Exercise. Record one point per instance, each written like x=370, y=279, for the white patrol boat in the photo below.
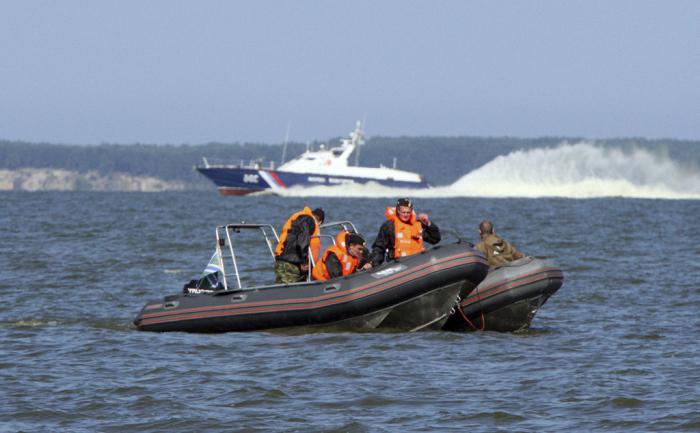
x=322, y=167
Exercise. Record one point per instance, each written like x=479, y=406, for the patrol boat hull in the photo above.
x=242, y=180
x=417, y=292
x=509, y=297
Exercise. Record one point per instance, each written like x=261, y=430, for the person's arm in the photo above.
x=366, y=262
x=381, y=244
x=431, y=233
x=516, y=253
x=333, y=266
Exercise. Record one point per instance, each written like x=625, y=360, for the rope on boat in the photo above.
x=418, y=328
x=466, y=319
x=469, y=322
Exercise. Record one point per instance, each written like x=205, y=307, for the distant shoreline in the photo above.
x=49, y=179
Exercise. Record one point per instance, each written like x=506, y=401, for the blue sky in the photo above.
x=159, y=71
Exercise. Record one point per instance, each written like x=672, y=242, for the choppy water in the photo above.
x=616, y=349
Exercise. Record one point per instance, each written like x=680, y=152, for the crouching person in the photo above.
x=341, y=259
x=297, y=237
x=497, y=250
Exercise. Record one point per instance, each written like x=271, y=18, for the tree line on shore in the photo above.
x=441, y=160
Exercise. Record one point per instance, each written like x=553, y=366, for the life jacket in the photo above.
x=348, y=262
x=314, y=243
x=408, y=237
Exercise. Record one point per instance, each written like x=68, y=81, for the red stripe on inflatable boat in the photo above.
x=485, y=293
x=309, y=303
x=476, y=258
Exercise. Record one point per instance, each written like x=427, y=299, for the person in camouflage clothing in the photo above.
x=286, y=272
x=497, y=250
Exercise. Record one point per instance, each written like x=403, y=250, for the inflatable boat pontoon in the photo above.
x=509, y=297
x=413, y=293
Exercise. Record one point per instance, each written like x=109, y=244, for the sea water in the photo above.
x=615, y=349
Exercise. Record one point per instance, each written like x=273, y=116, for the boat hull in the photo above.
x=242, y=181
x=426, y=312
x=509, y=297
x=398, y=291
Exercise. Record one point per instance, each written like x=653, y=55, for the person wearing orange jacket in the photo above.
x=403, y=233
x=291, y=253
x=341, y=259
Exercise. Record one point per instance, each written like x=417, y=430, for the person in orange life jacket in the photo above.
x=403, y=233
x=291, y=253
x=340, y=259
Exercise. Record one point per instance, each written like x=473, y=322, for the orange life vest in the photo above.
x=314, y=243
x=408, y=237
x=348, y=262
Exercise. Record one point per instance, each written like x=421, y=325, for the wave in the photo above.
x=571, y=170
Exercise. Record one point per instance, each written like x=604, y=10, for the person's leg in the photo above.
x=286, y=272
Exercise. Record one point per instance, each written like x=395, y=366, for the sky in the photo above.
x=157, y=71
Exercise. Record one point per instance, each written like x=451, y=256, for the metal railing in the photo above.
x=224, y=238
x=225, y=248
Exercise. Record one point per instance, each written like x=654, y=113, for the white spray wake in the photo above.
x=581, y=170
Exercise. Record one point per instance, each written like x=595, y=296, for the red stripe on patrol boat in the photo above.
x=277, y=179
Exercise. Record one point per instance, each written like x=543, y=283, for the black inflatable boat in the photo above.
x=416, y=292
x=509, y=297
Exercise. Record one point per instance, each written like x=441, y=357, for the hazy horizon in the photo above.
x=329, y=140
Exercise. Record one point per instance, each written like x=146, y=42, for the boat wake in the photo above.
x=571, y=170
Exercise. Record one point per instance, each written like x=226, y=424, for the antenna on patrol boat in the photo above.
x=359, y=133
x=286, y=139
